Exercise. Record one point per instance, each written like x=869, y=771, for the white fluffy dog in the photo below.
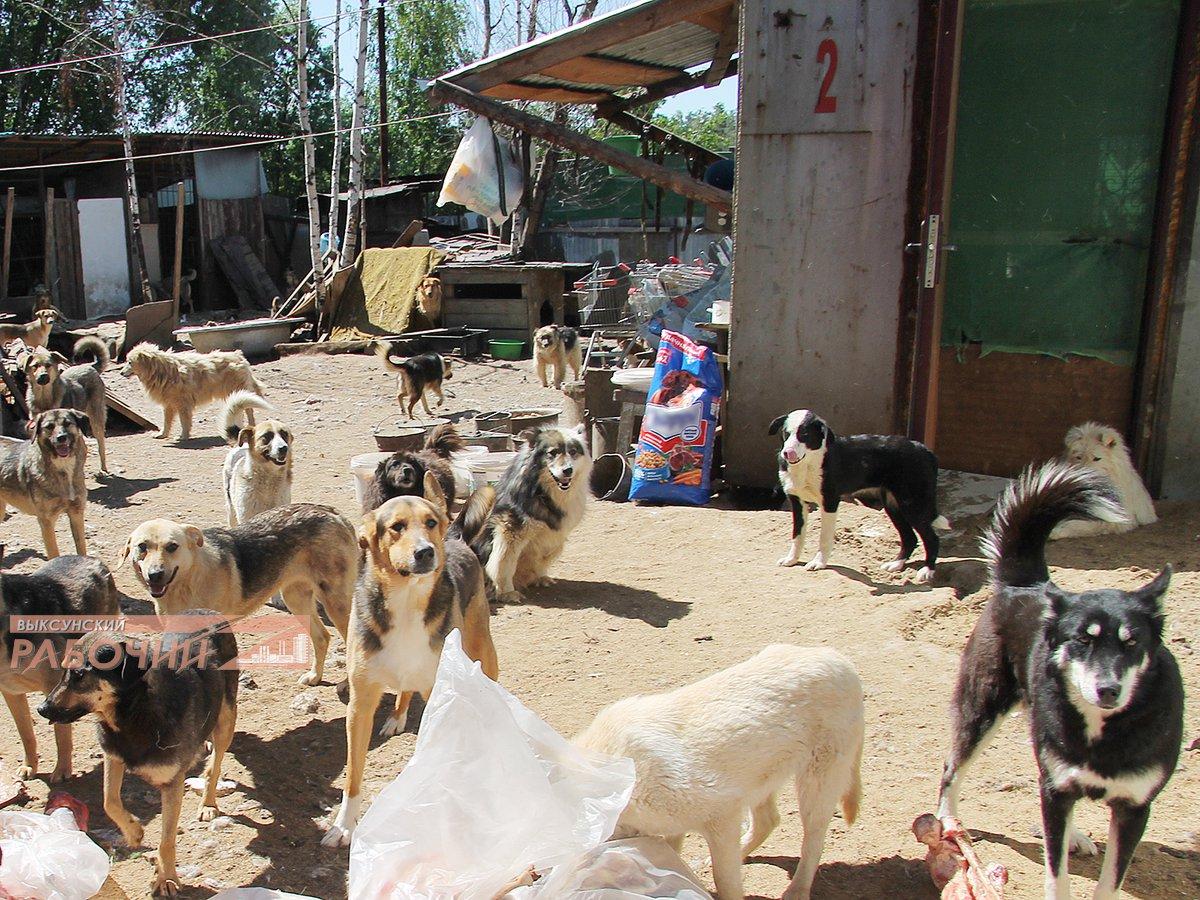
x=258, y=468
x=708, y=752
x=1099, y=447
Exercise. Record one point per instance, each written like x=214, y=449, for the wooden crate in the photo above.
x=510, y=301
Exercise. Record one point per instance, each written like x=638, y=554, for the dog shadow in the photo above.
x=964, y=576
x=619, y=600
x=19, y=556
x=115, y=493
x=1154, y=865
x=200, y=443
x=890, y=876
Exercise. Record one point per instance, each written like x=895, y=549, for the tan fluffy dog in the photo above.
x=309, y=553
x=429, y=299
x=33, y=333
x=416, y=587
x=180, y=382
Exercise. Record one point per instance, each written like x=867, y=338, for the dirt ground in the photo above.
x=648, y=598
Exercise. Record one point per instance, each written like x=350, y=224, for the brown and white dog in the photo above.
x=44, y=476
x=258, y=468
x=52, y=385
x=309, y=553
x=417, y=374
x=34, y=333
x=556, y=347
x=180, y=382
x=417, y=585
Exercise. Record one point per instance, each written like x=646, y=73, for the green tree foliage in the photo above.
x=425, y=38
x=714, y=128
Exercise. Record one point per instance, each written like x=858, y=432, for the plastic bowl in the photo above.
x=363, y=467
x=507, y=349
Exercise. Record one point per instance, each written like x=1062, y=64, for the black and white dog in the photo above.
x=816, y=466
x=1104, y=693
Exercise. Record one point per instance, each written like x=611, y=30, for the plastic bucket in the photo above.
x=363, y=467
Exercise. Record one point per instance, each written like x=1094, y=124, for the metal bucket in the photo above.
x=611, y=477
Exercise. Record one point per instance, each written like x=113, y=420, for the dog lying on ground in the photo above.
x=34, y=333
x=403, y=474
x=417, y=374
x=556, y=347
x=44, y=477
x=707, y=753
x=1098, y=447
x=309, y=553
x=538, y=503
x=1104, y=693
x=51, y=386
x=180, y=382
x=816, y=466
x=417, y=585
x=258, y=468
x=66, y=586
x=154, y=720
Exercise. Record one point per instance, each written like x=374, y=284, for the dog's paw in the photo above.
x=510, y=597
x=60, y=774
x=162, y=436
x=788, y=561
x=924, y=575
x=543, y=582
x=308, y=679
x=166, y=884
x=895, y=565
x=26, y=772
x=392, y=725
x=1082, y=844
x=337, y=836
x=206, y=814
x=133, y=833
x=816, y=564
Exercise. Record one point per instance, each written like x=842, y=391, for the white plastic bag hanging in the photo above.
x=486, y=174
x=491, y=790
x=47, y=857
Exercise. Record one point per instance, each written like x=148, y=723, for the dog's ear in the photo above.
x=132, y=653
x=60, y=359
x=1150, y=597
x=194, y=535
x=776, y=424
x=1110, y=439
x=245, y=437
x=83, y=421
x=366, y=531
x=125, y=551
x=32, y=425
x=434, y=493
x=1057, y=602
x=529, y=435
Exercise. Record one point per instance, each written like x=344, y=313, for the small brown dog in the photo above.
x=429, y=299
x=34, y=333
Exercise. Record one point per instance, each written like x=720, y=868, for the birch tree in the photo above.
x=335, y=170
x=354, y=196
x=310, y=155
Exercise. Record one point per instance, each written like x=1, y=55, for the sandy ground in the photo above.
x=648, y=598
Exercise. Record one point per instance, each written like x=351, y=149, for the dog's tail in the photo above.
x=240, y=403
x=444, y=440
x=1030, y=508
x=474, y=515
x=92, y=350
x=383, y=349
x=853, y=796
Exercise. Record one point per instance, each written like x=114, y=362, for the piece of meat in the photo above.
x=953, y=865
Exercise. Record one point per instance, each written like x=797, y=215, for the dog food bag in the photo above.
x=673, y=463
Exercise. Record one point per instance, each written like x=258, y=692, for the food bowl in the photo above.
x=507, y=349
x=489, y=440
x=256, y=337
x=489, y=468
x=395, y=434
x=520, y=419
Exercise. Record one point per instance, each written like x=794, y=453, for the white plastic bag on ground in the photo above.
x=474, y=176
x=638, y=869
x=491, y=790
x=257, y=893
x=47, y=857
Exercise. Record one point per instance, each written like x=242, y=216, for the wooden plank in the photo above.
x=669, y=139
x=727, y=45
x=665, y=89
x=48, y=241
x=517, y=91
x=593, y=36
x=119, y=406
x=452, y=275
x=177, y=270
x=597, y=69
x=561, y=136
x=10, y=201
x=68, y=261
x=233, y=274
x=473, y=318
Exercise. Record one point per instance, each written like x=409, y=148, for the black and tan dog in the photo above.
x=44, y=477
x=77, y=587
x=158, y=701
x=403, y=474
x=417, y=585
x=56, y=384
x=309, y=553
x=417, y=374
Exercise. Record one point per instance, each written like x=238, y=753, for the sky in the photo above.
x=698, y=99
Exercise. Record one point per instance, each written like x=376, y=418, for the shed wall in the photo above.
x=822, y=173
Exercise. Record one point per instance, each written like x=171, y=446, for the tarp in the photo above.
x=381, y=296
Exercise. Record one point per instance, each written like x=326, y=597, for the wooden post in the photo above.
x=553, y=133
x=180, y=197
x=48, y=241
x=384, y=156
x=9, y=202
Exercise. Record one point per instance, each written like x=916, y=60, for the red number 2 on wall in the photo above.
x=826, y=102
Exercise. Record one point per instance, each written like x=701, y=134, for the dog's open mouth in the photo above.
x=158, y=590
x=278, y=461
x=63, y=449
x=563, y=481
x=791, y=456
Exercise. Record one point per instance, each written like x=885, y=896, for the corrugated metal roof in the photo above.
x=636, y=46
x=230, y=136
